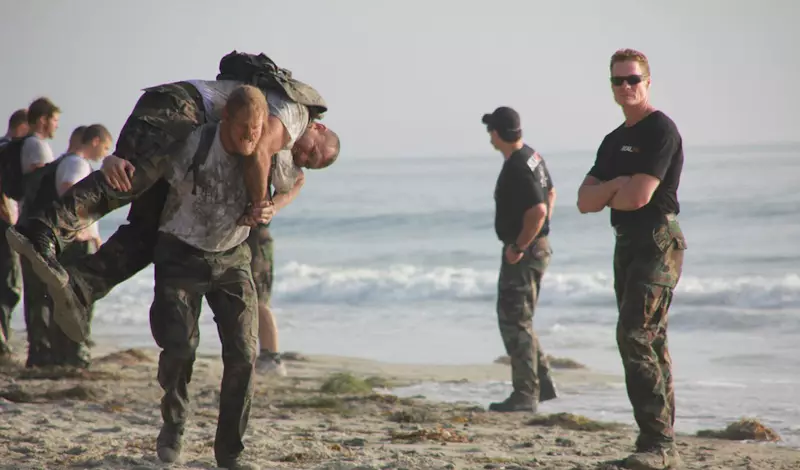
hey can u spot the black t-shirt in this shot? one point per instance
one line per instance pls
(652, 146)
(523, 183)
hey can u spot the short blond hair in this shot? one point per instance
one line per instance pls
(626, 55)
(246, 97)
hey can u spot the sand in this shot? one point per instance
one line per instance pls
(108, 418)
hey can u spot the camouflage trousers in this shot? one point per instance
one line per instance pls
(647, 267)
(518, 292)
(261, 247)
(162, 116)
(47, 344)
(10, 289)
(184, 275)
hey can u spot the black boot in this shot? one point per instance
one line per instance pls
(515, 402)
(168, 443)
(69, 312)
(38, 244)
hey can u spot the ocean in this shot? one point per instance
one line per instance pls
(396, 260)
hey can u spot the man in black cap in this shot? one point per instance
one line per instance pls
(524, 198)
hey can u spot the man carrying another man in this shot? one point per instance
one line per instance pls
(164, 114)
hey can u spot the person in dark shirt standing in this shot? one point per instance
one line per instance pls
(636, 174)
(524, 198)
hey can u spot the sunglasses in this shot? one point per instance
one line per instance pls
(631, 79)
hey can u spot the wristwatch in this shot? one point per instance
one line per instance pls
(516, 248)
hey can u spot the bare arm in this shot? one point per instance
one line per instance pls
(635, 194)
(273, 138)
(282, 200)
(594, 195)
(551, 202)
(532, 223)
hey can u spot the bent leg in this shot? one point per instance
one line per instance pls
(161, 116)
(124, 254)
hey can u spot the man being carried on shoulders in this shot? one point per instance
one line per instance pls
(162, 115)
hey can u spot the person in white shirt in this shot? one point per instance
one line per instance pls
(76, 139)
(91, 144)
(87, 144)
(43, 117)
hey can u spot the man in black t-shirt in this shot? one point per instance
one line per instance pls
(524, 198)
(636, 174)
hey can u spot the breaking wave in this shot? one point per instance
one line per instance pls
(301, 283)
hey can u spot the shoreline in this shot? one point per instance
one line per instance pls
(330, 413)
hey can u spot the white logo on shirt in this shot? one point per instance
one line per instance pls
(533, 163)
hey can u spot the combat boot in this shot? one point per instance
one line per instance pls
(515, 402)
(168, 443)
(37, 243)
(655, 458)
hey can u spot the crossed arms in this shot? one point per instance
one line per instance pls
(623, 193)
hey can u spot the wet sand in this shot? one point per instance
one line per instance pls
(329, 413)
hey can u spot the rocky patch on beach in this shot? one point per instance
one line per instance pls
(743, 430)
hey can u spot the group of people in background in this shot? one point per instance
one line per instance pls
(47, 344)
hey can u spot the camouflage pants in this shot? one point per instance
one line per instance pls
(10, 289)
(47, 344)
(647, 266)
(261, 247)
(518, 291)
(162, 116)
(184, 275)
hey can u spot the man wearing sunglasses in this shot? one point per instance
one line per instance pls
(636, 174)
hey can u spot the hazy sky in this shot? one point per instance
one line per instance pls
(412, 78)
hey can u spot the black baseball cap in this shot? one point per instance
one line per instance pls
(502, 119)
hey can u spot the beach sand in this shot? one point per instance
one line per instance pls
(108, 417)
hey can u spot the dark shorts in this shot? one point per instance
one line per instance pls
(260, 242)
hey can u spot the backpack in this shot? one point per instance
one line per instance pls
(262, 72)
(11, 179)
(40, 184)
